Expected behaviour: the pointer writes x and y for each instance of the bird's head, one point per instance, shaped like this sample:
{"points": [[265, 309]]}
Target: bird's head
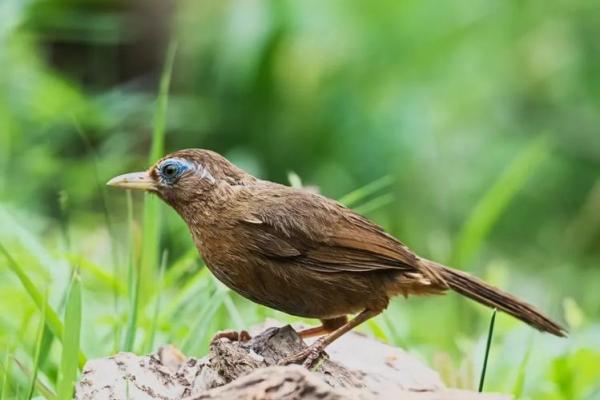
{"points": [[185, 177]]}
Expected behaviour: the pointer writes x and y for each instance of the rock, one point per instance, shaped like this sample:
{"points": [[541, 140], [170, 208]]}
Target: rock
{"points": [[358, 368]]}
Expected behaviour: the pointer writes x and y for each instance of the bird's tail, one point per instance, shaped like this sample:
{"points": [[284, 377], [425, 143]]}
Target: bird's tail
{"points": [[476, 289]]}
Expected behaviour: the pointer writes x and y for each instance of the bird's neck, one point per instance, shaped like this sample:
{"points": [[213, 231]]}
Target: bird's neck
{"points": [[204, 213]]}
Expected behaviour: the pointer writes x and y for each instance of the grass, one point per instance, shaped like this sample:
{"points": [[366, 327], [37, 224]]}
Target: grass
{"points": [[149, 344], [150, 250], [100, 187], [134, 283], [357, 196], [192, 302], [519, 386], [488, 345], [142, 275], [494, 202], [341, 92], [174, 300], [38, 349], [200, 332], [67, 373], [187, 307], [51, 317], [6, 373], [490, 207]]}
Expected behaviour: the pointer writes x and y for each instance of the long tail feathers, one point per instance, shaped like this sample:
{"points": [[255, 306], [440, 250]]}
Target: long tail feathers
{"points": [[478, 290]]}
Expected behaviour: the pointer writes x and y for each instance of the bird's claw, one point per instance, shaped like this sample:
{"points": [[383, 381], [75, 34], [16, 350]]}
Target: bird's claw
{"points": [[306, 356], [234, 336], [313, 356]]}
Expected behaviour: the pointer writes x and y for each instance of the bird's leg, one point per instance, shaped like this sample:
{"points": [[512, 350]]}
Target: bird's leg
{"points": [[327, 326], [309, 354], [234, 336]]}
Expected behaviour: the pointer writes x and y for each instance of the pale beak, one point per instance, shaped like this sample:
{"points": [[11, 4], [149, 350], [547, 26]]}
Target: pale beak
{"points": [[134, 180]]}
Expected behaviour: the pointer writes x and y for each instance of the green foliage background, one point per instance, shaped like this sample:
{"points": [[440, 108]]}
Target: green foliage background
{"points": [[470, 129]]}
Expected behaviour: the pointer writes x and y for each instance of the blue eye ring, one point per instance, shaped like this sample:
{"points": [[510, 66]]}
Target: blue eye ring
{"points": [[171, 170]]}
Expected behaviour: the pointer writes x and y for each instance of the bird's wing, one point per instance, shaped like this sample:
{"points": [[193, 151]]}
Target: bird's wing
{"points": [[318, 233]]}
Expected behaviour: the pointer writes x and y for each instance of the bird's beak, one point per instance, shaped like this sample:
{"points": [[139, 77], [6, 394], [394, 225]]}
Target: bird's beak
{"points": [[134, 180]]}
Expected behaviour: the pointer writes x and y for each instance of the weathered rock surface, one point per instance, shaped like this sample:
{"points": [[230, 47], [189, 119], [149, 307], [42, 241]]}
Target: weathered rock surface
{"points": [[358, 368]]}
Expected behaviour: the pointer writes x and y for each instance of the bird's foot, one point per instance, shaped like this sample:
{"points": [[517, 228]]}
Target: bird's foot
{"points": [[306, 356], [234, 336]]}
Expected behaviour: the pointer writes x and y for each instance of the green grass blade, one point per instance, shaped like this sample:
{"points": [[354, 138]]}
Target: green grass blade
{"points": [[150, 245], [180, 267], [47, 341], [490, 207], [67, 373], [133, 283], [37, 351], [5, 374], [52, 320], [487, 350], [101, 189], [375, 204], [51, 316], [520, 381], [98, 274], [151, 232], [378, 331], [187, 292], [158, 134], [234, 313], [45, 391], [356, 196], [155, 315], [390, 326], [199, 329], [294, 180], [42, 388], [133, 316]]}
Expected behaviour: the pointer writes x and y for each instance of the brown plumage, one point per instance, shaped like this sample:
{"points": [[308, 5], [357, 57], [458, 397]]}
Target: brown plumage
{"points": [[302, 253]]}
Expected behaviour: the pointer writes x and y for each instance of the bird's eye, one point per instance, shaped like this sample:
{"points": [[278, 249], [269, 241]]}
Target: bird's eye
{"points": [[171, 170]]}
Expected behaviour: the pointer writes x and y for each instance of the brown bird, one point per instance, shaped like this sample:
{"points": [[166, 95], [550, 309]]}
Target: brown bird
{"points": [[302, 253]]}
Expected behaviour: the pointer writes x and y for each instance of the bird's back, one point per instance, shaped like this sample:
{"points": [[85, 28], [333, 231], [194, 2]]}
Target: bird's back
{"points": [[307, 255]]}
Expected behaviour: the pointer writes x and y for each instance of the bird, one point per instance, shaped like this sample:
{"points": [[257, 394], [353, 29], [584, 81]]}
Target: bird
{"points": [[302, 253]]}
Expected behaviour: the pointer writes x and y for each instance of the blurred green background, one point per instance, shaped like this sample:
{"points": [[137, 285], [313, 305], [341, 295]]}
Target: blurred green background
{"points": [[469, 130]]}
